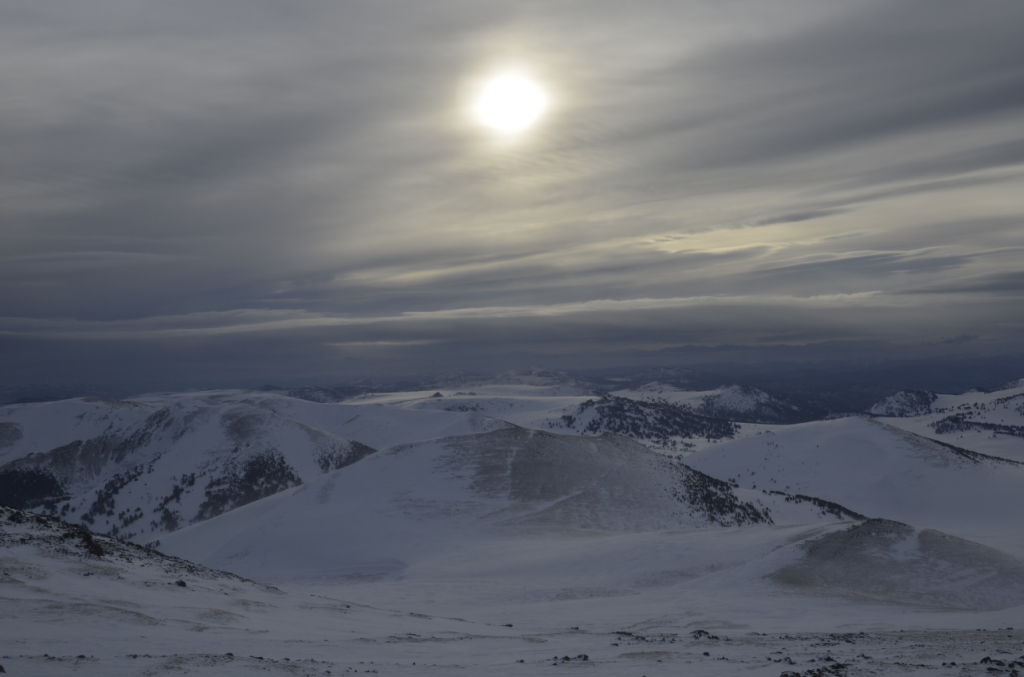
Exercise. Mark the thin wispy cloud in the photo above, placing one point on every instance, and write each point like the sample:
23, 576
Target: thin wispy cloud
244, 185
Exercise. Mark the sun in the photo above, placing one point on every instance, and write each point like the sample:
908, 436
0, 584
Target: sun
510, 103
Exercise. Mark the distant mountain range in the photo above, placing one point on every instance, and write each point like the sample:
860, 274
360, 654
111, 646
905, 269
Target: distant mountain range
144, 467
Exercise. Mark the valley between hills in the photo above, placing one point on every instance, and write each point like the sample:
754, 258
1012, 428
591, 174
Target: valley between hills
526, 524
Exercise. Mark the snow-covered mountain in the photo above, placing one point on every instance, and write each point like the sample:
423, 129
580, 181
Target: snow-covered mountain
419, 527
655, 422
143, 467
905, 404
732, 403
881, 471
989, 422
414, 500
886, 560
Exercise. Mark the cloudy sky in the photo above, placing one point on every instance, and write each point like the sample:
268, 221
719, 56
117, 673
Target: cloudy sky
241, 191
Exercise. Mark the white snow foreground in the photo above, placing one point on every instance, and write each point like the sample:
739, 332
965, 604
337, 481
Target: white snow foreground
77, 603
636, 554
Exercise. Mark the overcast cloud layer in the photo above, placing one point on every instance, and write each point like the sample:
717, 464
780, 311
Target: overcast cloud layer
233, 192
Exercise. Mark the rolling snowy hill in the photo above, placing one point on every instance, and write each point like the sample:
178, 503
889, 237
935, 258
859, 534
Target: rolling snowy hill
733, 403
415, 500
992, 423
147, 466
881, 471
655, 603
139, 468
551, 519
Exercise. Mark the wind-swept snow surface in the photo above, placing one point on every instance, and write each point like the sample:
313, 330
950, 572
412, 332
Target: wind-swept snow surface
140, 468
562, 526
415, 500
889, 561
882, 471
84, 604
992, 423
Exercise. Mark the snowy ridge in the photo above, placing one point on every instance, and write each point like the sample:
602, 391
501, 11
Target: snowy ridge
545, 381
696, 601
139, 468
905, 404
742, 404
657, 423
990, 423
63, 540
881, 471
482, 504
412, 501
144, 467
1012, 385
886, 560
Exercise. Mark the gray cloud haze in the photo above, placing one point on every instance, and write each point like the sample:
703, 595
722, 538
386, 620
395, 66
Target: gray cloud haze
234, 192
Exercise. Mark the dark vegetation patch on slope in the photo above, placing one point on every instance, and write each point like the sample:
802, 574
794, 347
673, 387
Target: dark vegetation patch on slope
716, 502
27, 488
103, 479
88, 458
657, 421
975, 457
963, 423
260, 475
827, 507
341, 456
906, 404
105, 501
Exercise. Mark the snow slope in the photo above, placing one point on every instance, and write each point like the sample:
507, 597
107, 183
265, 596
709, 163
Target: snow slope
885, 560
881, 471
992, 423
143, 467
417, 500
658, 424
734, 403
68, 608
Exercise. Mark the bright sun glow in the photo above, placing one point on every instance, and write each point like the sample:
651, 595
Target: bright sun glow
510, 103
